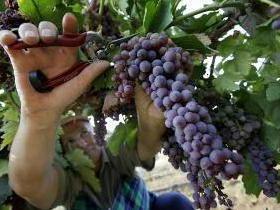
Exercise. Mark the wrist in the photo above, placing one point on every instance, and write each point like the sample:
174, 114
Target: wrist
40, 120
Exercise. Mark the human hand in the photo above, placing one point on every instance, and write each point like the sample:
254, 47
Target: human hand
150, 118
51, 61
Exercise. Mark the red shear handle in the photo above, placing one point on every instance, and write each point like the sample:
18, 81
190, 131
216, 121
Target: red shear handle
66, 76
66, 40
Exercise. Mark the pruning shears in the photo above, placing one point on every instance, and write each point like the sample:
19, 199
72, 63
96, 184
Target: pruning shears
38, 79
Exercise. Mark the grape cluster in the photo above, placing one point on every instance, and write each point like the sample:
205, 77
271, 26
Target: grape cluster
10, 19
175, 153
6, 77
100, 129
109, 27
163, 70
236, 127
264, 165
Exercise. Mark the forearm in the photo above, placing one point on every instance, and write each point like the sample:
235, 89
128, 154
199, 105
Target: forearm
32, 151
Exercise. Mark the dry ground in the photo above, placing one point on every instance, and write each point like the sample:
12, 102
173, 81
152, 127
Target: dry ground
164, 178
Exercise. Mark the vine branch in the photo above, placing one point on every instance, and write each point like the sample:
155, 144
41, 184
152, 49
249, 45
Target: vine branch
211, 7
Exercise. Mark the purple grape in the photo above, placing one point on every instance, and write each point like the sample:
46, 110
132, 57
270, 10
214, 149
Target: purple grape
157, 70
175, 96
179, 121
133, 71
145, 66
169, 67
162, 92
178, 86
160, 81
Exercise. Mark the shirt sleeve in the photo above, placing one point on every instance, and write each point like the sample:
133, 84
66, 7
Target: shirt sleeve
127, 159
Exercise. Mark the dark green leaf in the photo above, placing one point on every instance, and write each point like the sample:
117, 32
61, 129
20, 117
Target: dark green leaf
273, 92
271, 137
2, 6
250, 179
157, 15
3, 167
104, 81
190, 42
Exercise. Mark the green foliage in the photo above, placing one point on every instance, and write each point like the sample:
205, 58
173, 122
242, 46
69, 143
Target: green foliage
250, 179
2, 5
3, 167
10, 120
84, 166
104, 81
124, 133
158, 15
50, 10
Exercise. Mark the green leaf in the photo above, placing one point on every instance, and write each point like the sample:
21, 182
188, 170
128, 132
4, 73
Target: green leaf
228, 45
157, 15
250, 179
3, 167
9, 129
2, 6
88, 175
271, 137
104, 81
123, 133
48, 10
78, 158
5, 191
117, 139
190, 42
273, 92
83, 165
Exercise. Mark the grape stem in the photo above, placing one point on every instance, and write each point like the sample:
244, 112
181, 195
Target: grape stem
211, 7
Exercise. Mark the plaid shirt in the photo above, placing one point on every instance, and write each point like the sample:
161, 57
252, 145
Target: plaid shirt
133, 195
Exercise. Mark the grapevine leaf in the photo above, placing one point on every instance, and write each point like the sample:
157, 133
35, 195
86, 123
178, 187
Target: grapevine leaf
83, 165
78, 158
104, 81
9, 129
227, 82
117, 139
3, 167
157, 15
88, 175
190, 42
271, 137
123, 133
250, 179
227, 46
273, 92
131, 133
48, 10
5, 191
2, 6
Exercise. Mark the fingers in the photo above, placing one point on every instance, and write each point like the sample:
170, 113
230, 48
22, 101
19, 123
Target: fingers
8, 38
71, 90
48, 31
70, 24
29, 33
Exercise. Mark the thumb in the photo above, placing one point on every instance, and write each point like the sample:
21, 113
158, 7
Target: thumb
71, 90
142, 99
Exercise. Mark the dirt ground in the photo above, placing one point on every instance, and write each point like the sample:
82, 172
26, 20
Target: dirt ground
164, 178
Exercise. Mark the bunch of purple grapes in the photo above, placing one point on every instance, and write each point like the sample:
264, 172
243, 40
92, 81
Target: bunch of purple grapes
236, 127
100, 129
10, 19
163, 70
264, 165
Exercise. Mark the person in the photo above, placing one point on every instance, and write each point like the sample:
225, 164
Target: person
33, 173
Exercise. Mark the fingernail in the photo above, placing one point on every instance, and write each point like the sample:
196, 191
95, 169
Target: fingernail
47, 32
30, 34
